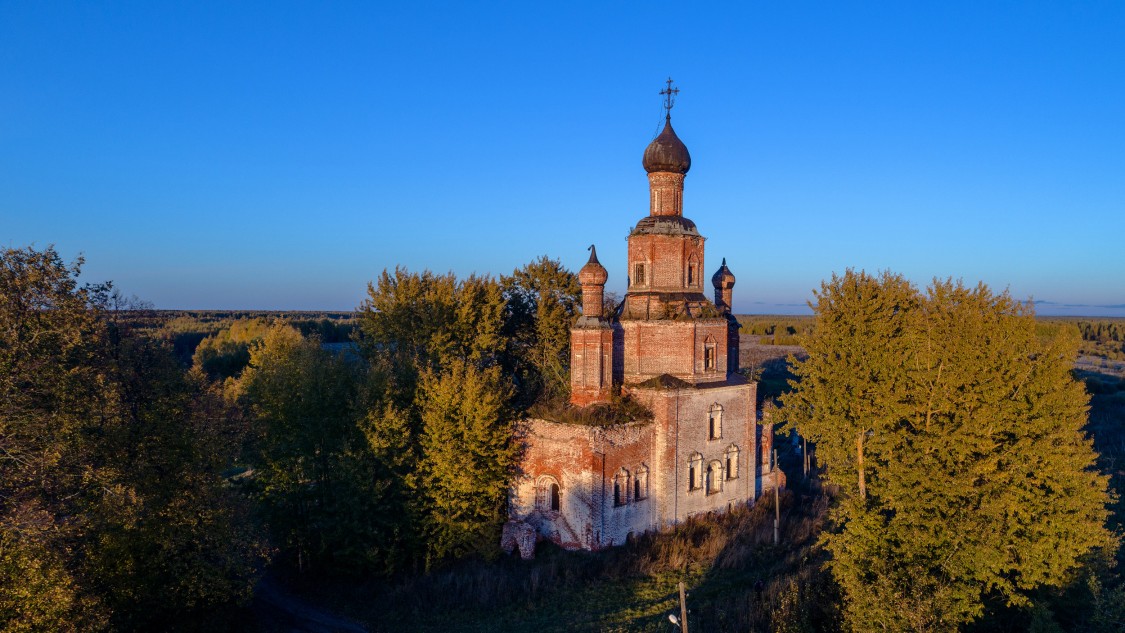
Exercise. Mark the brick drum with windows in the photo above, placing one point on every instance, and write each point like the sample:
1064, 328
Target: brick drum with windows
669, 349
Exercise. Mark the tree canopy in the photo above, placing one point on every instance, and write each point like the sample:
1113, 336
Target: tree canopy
956, 433
438, 412
543, 300
113, 510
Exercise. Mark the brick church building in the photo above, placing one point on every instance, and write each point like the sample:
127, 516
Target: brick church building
674, 352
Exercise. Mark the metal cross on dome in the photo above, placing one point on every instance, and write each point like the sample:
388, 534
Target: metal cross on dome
669, 98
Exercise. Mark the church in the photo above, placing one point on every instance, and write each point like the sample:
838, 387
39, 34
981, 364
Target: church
692, 443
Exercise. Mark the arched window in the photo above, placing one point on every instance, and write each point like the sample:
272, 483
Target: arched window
709, 354
732, 462
714, 477
547, 498
715, 422
695, 472
621, 488
639, 274
640, 483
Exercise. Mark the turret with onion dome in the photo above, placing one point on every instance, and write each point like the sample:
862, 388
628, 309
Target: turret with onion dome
591, 340
667, 152
592, 278
723, 280
667, 161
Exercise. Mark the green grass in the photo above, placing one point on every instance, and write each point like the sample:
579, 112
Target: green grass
631, 588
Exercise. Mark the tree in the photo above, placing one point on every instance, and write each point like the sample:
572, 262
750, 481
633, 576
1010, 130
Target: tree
956, 433
112, 509
434, 346
168, 540
226, 353
854, 382
468, 457
418, 321
313, 469
543, 299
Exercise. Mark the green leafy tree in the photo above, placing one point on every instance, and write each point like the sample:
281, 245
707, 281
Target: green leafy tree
226, 353
411, 322
853, 385
394, 450
468, 456
168, 539
313, 469
112, 510
48, 341
957, 434
418, 329
543, 300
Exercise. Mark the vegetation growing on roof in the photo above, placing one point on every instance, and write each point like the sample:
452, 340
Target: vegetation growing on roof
622, 410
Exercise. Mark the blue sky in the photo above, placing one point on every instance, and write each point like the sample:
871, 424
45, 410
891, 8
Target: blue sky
280, 155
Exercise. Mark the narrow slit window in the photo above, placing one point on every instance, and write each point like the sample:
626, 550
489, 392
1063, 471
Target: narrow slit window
639, 274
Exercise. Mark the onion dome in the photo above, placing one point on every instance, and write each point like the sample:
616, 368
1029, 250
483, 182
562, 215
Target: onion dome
593, 273
723, 277
667, 152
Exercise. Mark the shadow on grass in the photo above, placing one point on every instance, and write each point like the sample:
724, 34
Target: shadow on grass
631, 588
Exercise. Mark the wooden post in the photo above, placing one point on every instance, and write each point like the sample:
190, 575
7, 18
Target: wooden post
776, 512
683, 609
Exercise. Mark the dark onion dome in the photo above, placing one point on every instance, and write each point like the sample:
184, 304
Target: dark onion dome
667, 152
723, 276
593, 273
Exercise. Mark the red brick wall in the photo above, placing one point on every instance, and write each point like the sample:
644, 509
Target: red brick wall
666, 258
666, 193
652, 348
591, 365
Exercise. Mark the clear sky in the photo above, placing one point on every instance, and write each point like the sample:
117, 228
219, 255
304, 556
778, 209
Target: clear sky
279, 155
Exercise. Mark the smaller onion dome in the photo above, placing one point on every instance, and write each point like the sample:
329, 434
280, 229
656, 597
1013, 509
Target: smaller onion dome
667, 152
593, 273
723, 277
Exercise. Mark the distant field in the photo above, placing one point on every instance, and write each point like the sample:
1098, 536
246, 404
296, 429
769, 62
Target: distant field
767, 340
186, 329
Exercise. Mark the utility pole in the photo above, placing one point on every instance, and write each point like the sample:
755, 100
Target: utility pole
776, 504
683, 609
